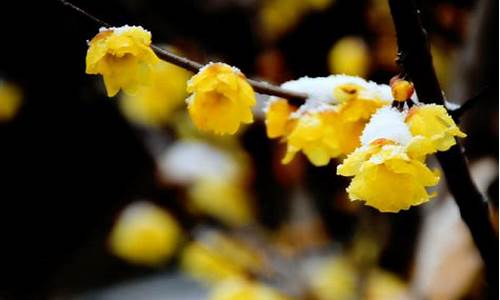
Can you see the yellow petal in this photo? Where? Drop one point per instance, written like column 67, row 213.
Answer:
column 434, row 123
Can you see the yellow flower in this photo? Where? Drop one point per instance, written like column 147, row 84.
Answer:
column 223, row 199
column 278, row 122
column 349, row 56
column 382, row 285
column 386, row 177
column 145, row 234
column 333, row 132
column 435, row 124
column 10, row 101
column 123, row 57
column 333, row 278
column 221, row 99
column 241, row 289
column 316, row 134
column 208, row 264
column 153, row 105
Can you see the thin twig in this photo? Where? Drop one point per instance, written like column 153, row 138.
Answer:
column 193, row 66
column 416, row 59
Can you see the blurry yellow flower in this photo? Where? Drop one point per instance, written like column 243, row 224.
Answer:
column 382, row 285
column 349, row 56
column 435, row 124
column 152, row 105
column 10, row 101
column 278, row 122
column 145, row 234
column 208, row 264
column 279, row 16
column 222, row 99
column 241, row 289
column 223, row 199
column 123, row 57
column 333, row 279
column 386, row 178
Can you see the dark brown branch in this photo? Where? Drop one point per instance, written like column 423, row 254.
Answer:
column 183, row 62
column 258, row 86
column 415, row 59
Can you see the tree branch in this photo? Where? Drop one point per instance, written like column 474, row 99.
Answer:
column 193, row 66
column 415, row 58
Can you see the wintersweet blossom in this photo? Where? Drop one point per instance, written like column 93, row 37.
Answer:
column 329, row 123
column 322, row 136
column 385, row 174
column 221, row 99
column 123, row 57
column 433, row 122
column 145, row 234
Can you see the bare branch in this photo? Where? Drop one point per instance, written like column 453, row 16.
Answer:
column 193, row 66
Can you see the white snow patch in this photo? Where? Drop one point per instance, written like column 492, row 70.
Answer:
column 387, row 123
column 187, row 161
column 122, row 29
column 451, row 105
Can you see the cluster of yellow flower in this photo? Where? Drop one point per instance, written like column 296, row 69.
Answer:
column 329, row 124
column 344, row 115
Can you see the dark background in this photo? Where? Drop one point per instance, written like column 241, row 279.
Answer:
column 69, row 160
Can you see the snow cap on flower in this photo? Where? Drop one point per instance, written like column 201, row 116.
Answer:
column 122, row 55
column 221, row 99
column 387, row 123
column 321, row 91
column 386, row 177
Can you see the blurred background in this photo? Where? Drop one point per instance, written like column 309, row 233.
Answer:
column 124, row 199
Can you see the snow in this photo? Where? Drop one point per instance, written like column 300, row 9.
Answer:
column 122, row 29
column 387, row 123
column 320, row 91
column 187, row 161
column 451, row 106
